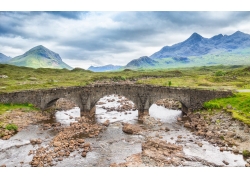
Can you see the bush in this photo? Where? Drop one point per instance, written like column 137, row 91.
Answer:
column 219, row 73
column 246, row 153
column 11, row 127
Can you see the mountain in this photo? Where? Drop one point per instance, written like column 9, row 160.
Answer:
column 4, row 58
column 39, row 57
column 109, row 67
column 196, row 45
column 142, row 62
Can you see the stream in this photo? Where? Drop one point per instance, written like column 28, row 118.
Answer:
column 113, row 145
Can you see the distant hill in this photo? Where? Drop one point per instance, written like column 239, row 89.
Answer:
column 4, row 58
column 39, row 57
column 142, row 62
column 109, row 67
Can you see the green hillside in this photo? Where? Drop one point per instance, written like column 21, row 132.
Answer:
column 39, row 57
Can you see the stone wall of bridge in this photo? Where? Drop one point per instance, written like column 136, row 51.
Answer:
column 143, row 96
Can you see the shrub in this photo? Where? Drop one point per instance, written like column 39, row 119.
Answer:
column 169, row 83
column 246, row 153
column 11, row 127
column 219, row 73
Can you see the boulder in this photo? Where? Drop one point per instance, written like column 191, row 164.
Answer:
column 187, row 124
column 84, row 154
column 86, row 144
column 186, row 118
column 106, row 123
column 246, row 129
column 57, row 144
column 225, row 162
column 131, row 128
column 167, row 129
column 80, row 141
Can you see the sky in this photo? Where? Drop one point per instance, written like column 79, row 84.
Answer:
column 85, row 38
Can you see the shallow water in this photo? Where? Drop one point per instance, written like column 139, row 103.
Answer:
column 113, row 145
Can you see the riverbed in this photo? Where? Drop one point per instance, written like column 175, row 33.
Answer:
column 113, row 145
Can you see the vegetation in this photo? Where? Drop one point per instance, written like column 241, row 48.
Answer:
column 246, row 153
column 234, row 77
column 169, row 83
column 238, row 105
column 11, row 127
column 9, row 107
column 23, row 78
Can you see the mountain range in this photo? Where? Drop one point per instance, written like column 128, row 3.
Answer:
column 4, row 58
column 196, row 45
column 195, row 51
column 198, row 51
column 38, row 57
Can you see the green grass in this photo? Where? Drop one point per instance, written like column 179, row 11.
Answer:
column 240, row 103
column 9, row 107
column 11, row 127
column 205, row 77
column 246, row 153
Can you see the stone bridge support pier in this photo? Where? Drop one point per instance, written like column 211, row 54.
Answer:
column 90, row 114
column 142, row 113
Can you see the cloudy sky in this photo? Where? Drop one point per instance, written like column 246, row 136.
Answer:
column 99, row 38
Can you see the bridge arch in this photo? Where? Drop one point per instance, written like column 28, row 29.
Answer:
column 91, row 110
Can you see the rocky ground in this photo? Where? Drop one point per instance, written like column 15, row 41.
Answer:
column 20, row 118
column 216, row 127
column 219, row 128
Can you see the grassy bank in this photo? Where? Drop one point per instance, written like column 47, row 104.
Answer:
column 9, row 107
column 238, row 105
column 209, row 77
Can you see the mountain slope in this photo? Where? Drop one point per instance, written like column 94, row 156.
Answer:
column 109, row 67
column 39, row 57
column 4, row 58
column 196, row 45
column 142, row 62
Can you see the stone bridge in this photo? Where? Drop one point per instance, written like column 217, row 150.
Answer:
column 143, row 96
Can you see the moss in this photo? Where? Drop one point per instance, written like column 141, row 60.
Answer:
column 246, row 153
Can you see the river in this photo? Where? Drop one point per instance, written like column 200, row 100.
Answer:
column 113, row 145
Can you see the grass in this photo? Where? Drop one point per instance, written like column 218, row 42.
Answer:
column 238, row 105
column 246, row 153
column 234, row 77
column 205, row 77
column 11, row 127
column 9, row 107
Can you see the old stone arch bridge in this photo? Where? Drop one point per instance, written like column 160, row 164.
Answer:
column 142, row 95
